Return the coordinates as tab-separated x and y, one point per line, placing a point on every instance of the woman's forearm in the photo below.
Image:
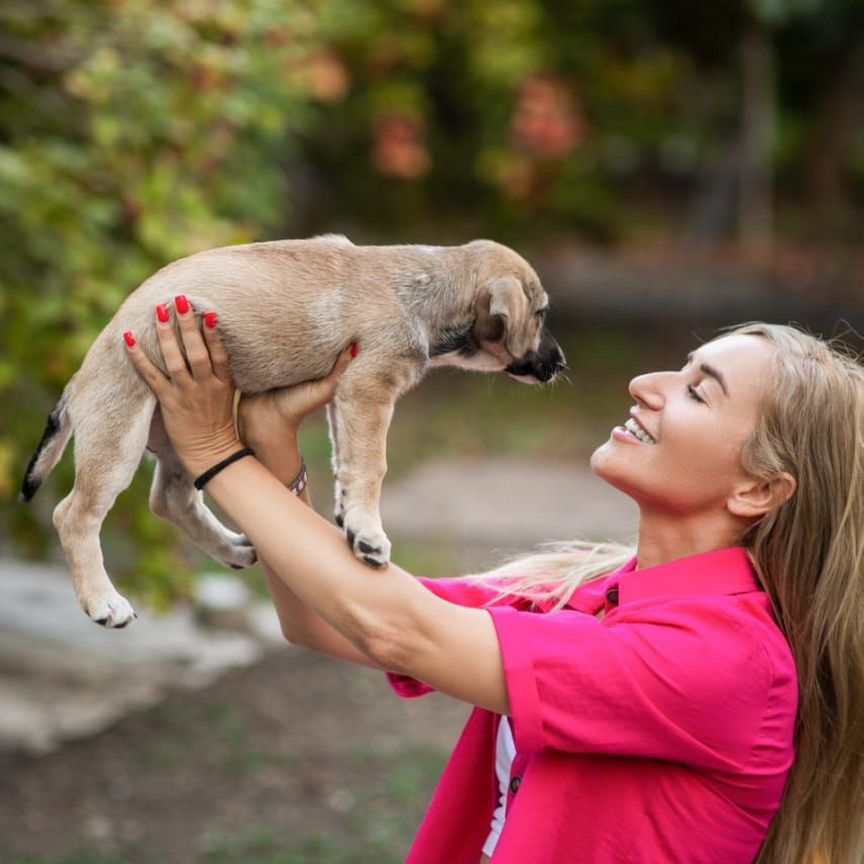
275	444
280	454
369	607
372	609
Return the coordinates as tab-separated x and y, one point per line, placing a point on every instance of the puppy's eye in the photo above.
540	313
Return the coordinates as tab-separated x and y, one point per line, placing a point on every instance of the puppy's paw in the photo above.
239	555
370	545
109	609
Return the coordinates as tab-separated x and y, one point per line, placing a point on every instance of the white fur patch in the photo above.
328	308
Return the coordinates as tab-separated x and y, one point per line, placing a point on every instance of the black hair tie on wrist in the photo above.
210	473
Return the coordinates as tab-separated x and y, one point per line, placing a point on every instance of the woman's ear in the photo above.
755	498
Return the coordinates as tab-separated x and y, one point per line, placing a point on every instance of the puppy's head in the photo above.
510	324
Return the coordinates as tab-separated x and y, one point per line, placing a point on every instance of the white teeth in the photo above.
632	426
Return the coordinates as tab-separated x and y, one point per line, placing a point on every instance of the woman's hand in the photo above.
276	415
197	400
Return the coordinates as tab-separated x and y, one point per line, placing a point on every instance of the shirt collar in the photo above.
721	571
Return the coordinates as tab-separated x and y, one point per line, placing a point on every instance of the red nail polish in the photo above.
181	303
130	339
210	319
162	313
354	349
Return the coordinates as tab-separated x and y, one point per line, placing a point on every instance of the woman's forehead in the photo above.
742	359
743	347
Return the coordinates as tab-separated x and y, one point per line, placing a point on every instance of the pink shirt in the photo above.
662	732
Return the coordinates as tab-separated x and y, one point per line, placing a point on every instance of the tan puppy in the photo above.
286	310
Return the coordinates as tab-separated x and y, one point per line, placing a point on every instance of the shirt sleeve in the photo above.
455	590
689	685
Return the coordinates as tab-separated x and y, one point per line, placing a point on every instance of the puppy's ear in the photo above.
508	304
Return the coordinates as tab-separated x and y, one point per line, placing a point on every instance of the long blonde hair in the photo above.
809	556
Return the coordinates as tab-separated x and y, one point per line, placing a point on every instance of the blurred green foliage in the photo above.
133	133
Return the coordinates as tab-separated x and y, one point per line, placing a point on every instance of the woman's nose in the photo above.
647	389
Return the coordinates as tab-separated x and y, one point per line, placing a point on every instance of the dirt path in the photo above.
296	759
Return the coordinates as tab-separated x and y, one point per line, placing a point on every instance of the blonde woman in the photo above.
696	697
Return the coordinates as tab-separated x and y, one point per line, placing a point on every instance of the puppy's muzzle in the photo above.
543	365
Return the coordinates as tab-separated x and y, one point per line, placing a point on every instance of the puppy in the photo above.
286	310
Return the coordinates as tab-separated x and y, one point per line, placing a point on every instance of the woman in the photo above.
699	697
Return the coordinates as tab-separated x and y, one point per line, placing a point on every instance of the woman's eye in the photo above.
692	391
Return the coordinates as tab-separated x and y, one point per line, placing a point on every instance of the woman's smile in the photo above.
632	433
620	433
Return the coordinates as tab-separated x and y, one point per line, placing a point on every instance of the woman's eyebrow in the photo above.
714	373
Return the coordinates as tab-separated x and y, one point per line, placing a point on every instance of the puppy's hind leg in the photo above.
108	449
173	497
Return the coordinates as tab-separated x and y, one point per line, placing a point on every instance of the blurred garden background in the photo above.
668	167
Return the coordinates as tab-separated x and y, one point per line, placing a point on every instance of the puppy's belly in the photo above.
270	366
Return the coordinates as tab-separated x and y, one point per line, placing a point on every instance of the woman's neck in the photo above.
667	537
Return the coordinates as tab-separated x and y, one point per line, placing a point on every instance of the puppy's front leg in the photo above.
363	416
335	462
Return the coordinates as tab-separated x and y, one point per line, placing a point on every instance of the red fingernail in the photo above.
162	313
181	303
210	319
354	349
130	339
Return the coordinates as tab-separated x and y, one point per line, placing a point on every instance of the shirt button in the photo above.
612	595
515	783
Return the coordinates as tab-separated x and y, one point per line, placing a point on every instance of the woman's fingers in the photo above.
197	354
296	402
154	378
174	362
320	392
218	355
342	362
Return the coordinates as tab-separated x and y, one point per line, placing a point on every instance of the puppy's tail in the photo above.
54	440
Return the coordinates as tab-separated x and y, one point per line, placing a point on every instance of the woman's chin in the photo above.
609	470
606	459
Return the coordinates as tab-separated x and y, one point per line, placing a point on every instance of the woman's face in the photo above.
698	425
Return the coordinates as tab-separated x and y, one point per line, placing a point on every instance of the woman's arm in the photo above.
387	615
275	444
303	626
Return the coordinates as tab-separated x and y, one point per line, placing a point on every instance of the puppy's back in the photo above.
286	308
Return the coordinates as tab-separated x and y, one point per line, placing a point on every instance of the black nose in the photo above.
551	360
543	365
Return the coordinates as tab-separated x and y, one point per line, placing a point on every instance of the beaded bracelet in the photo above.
210	473
298	484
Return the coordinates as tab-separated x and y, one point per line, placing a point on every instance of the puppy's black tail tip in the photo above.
50	449
30	486
28	490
